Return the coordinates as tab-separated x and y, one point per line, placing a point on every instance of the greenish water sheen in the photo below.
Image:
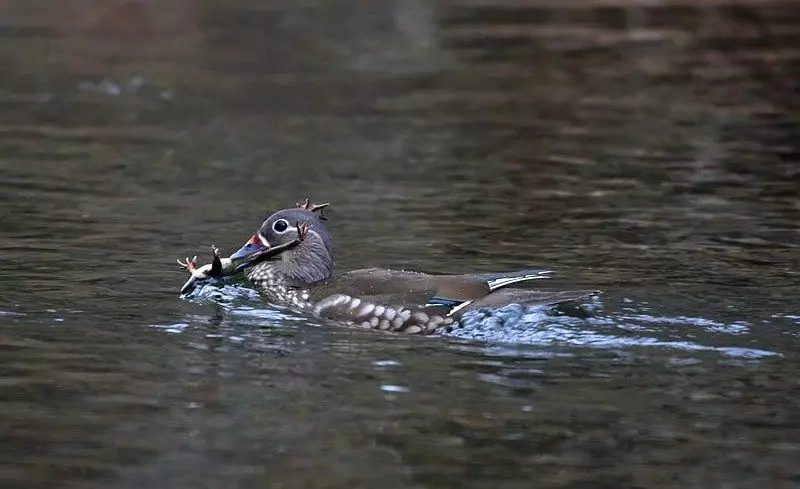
649	151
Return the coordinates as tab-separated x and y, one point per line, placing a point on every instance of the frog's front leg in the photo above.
218	268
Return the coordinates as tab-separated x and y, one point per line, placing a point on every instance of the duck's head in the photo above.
291	243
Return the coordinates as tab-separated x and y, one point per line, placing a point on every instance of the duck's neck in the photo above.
279	287
288	276
306	266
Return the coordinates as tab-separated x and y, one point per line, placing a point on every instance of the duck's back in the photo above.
406	287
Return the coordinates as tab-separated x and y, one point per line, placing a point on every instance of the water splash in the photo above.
550	327
585	324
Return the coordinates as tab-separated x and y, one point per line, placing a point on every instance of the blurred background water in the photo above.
648	149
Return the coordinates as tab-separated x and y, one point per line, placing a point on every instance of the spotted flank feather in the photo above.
362	313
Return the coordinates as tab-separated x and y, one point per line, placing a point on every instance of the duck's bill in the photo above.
255	250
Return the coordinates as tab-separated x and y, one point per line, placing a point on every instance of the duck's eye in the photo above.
280	226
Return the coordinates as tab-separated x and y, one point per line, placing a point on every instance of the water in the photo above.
646	151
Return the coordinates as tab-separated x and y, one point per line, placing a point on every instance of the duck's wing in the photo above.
527	298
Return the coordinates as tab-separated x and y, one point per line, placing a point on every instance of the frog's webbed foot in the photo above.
189	264
302	230
307	205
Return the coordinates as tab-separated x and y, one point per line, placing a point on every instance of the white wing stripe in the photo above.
503	281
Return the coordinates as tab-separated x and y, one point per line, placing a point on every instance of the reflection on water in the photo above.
648	150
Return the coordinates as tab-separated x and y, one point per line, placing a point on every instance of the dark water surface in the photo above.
650	152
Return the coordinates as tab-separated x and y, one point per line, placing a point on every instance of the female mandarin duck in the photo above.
290	259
